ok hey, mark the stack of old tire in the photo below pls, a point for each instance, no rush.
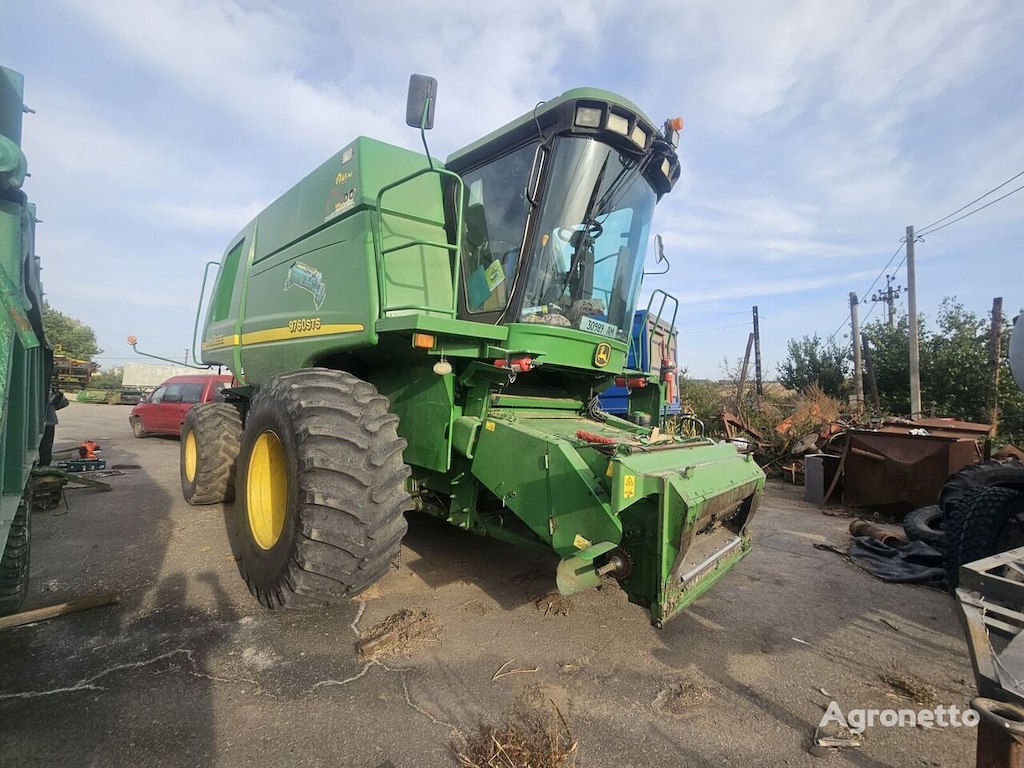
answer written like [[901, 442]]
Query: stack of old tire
[[980, 513]]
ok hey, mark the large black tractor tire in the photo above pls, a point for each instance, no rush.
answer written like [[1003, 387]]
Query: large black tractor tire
[[926, 524], [210, 440], [320, 489], [980, 475], [15, 561], [984, 522]]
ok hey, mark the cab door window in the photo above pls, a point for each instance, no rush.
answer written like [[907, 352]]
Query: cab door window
[[494, 224]]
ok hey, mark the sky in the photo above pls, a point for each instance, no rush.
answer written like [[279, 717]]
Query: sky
[[815, 133]]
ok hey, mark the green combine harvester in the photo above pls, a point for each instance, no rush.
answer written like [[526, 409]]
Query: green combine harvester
[[412, 336], [25, 359]]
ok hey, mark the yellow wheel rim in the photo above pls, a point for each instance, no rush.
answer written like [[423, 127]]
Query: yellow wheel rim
[[190, 457], [266, 491]]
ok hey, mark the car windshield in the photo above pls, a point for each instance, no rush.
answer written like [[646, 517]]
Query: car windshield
[[589, 251]]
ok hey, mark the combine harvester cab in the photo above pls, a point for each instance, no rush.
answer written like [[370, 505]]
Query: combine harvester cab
[[25, 361], [454, 329]]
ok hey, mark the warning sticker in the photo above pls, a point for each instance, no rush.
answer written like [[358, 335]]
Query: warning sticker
[[628, 486], [494, 275]]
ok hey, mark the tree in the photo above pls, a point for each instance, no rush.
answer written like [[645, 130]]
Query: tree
[[812, 361], [955, 371], [890, 360], [107, 379], [703, 399], [75, 338]]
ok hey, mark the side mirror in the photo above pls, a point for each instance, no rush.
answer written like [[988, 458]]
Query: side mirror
[[419, 106], [659, 256]]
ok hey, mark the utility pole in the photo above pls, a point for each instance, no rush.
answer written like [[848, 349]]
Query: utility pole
[[915, 350], [858, 368], [869, 371], [889, 296], [743, 373], [757, 356], [996, 339]]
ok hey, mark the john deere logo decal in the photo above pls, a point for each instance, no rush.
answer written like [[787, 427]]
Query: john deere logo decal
[[308, 279], [602, 354]]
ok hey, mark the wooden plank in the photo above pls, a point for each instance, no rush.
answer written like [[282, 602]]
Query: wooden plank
[[52, 611], [80, 479]]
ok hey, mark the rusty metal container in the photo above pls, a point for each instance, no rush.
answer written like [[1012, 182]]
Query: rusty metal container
[[895, 468]]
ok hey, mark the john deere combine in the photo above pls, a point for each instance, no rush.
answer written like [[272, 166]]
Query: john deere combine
[[24, 359], [412, 336]]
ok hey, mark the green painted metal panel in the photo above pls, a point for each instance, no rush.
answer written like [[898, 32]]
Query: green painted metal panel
[[540, 476], [655, 501], [308, 286], [555, 345], [12, 90], [464, 433], [24, 361], [349, 181], [425, 405], [309, 300]]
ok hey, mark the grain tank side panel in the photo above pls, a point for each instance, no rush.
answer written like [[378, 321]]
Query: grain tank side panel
[[301, 282]]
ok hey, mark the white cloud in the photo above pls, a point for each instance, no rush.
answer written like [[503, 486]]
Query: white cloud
[[815, 132]]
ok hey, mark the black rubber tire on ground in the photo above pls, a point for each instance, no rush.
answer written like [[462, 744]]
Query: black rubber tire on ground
[[984, 522], [926, 524], [15, 561], [343, 501], [982, 474], [137, 429], [216, 429]]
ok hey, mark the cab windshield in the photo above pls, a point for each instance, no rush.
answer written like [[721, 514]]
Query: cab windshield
[[592, 234]]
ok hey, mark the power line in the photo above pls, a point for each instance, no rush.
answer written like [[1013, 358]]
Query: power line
[[971, 213], [870, 288], [954, 213], [872, 309]]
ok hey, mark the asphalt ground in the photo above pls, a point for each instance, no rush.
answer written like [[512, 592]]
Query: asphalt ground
[[189, 670]]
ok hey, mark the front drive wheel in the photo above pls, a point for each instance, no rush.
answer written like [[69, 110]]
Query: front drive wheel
[[210, 439], [320, 489]]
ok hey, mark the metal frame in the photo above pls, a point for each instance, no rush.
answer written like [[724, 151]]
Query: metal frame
[[992, 606]]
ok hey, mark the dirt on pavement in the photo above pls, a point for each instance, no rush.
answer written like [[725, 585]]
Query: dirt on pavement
[[190, 670]]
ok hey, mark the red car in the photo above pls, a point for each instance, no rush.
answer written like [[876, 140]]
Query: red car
[[162, 412]]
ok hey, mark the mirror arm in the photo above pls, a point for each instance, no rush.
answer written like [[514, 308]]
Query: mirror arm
[[423, 131]]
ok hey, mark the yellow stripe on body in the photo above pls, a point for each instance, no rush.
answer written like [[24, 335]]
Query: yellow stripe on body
[[281, 334]]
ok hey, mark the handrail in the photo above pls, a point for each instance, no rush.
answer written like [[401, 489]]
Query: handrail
[[455, 248], [665, 297]]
